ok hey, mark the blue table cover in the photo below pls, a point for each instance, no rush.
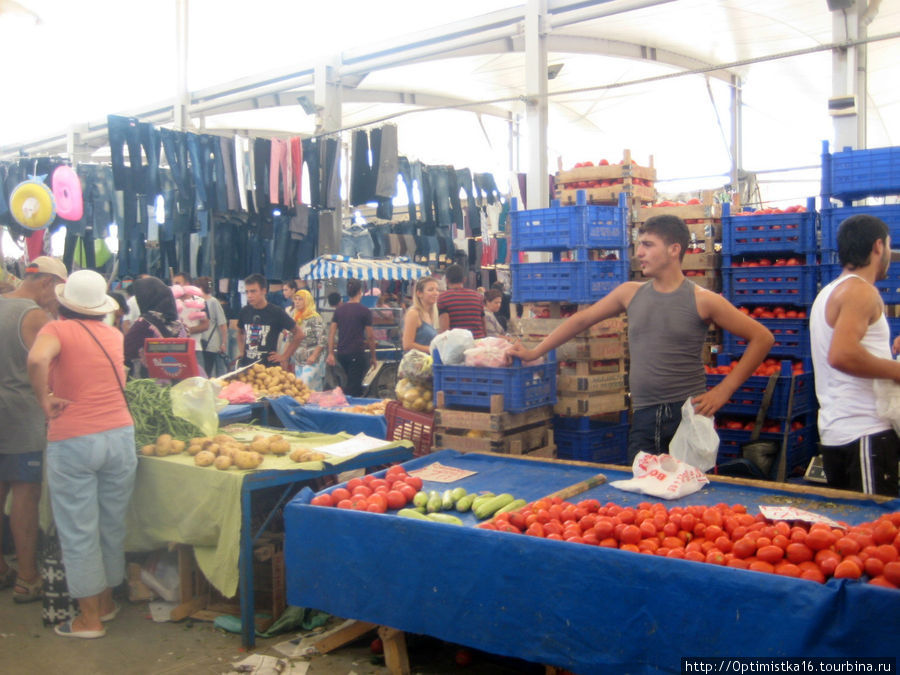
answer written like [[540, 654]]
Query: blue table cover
[[299, 417], [243, 412], [589, 609]]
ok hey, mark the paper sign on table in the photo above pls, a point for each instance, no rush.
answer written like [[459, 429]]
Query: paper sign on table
[[354, 446], [793, 513], [440, 473]]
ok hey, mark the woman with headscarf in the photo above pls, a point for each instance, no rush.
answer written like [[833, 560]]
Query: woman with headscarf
[[159, 318], [309, 358]]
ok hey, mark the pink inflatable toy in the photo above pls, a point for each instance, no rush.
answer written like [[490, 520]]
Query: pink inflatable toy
[[67, 193]]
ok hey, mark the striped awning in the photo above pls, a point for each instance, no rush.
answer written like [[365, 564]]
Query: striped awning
[[366, 269]]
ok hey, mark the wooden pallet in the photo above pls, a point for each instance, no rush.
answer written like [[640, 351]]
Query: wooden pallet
[[489, 421], [707, 208], [608, 195], [515, 442], [586, 404]]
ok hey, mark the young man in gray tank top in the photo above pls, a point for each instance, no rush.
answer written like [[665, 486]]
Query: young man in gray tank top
[[851, 347], [23, 312], [668, 317]]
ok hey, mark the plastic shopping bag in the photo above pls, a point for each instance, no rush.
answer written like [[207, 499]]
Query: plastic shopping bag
[[196, 400], [452, 345], [662, 476], [696, 441], [887, 402]]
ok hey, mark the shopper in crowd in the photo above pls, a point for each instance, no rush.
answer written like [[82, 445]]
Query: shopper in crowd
[[421, 322], [492, 326], [851, 347], [352, 323], [159, 319], [309, 359], [668, 319], [76, 370], [23, 312], [460, 307], [260, 323], [213, 342], [134, 311], [503, 313], [117, 318], [288, 288]]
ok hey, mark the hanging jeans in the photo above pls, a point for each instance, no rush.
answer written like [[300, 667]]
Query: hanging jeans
[[226, 147], [280, 167], [485, 185], [329, 230], [198, 168], [214, 172], [410, 173], [99, 199], [331, 182], [357, 242], [361, 178], [262, 150], [175, 146], [464, 180], [387, 163], [137, 176], [243, 165], [277, 247], [312, 157]]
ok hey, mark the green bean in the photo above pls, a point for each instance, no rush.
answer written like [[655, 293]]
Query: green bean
[[151, 409]]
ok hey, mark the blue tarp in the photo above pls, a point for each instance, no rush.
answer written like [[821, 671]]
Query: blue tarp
[[589, 609], [299, 417]]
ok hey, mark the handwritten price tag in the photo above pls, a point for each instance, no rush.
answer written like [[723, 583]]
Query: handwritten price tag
[[793, 513], [440, 473]]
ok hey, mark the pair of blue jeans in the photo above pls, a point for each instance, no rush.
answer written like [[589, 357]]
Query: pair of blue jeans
[[91, 479], [652, 429], [357, 243], [138, 177]]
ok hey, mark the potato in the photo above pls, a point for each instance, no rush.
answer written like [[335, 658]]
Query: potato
[[204, 458], [281, 447], [257, 458], [177, 446], [223, 462], [197, 440], [194, 449], [276, 437], [261, 446], [164, 438], [260, 437], [206, 442], [222, 438], [244, 460], [298, 454], [213, 448], [148, 450], [163, 450]]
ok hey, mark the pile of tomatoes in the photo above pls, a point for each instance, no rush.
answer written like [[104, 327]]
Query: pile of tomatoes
[[766, 368], [689, 202], [719, 535], [797, 208], [768, 427], [777, 312], [767, 262], [373, 494]]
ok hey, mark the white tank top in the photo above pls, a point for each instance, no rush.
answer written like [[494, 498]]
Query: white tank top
[[846, 402]]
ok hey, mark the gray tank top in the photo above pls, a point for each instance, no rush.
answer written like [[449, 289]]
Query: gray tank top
[[665, 339], [21, 417]]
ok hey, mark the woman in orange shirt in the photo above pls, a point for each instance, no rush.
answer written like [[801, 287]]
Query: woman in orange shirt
[[76, 367]]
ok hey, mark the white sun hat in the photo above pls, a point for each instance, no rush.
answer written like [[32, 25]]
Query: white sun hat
[[85, 293]]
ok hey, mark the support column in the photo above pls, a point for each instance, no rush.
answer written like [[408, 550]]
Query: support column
[[536, 28], [737, 133], [327, 99], [180, 112], [848, 78]]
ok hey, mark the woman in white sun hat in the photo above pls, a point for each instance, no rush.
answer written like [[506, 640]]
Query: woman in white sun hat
[[76, 367]]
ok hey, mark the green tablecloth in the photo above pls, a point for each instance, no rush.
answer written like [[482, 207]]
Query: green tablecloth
[[176, 501]]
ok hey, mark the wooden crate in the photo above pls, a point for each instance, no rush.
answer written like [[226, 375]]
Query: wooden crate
[[199, 600], [587, 367], [542, 327], [608, 195], [513, 442], [589, 404], [490, 421], [580, 349], [576, 384], [708, 208], [627, 169], [709, 279]]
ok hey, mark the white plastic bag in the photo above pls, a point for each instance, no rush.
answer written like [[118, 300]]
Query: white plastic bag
[[696, 441], [662, 476], [489, 352], [887, 402], [452, 345], [196, 400]]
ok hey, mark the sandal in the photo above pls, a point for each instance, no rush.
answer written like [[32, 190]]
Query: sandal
[[27, 592], [109, 616], [65, 629], [7, 579]]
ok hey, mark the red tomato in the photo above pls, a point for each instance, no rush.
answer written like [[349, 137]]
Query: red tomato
[[354, 483], [340, 493], [631, 534], [408, 491], [798, 553], [379, 500], [892, 572], [345, 504], [414, 481], [847, 569], [396, 499], [874, 566], [362, 490], [359, 504], [322, 500], [883, 582]]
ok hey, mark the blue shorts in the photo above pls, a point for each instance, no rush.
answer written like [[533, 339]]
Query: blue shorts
[[23, 467]]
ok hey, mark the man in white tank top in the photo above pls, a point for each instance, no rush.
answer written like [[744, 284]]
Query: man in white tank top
[[851, 347]]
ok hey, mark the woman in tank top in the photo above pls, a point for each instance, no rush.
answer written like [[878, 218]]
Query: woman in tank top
[[420, 324]]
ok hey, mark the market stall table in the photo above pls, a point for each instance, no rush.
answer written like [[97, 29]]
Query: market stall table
[[306, 417], [176, 501], [585, 608], [245, 412]]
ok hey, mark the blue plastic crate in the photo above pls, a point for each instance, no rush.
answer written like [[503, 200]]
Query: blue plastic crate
[[578, 282], [783, 285], [889, 288], [604, 444], [570, 227], [795, 232], [801, 444], [747, 399], [833, 217], [894, 325], [590, 423], [791, 338], [522, 387], [854, 174]]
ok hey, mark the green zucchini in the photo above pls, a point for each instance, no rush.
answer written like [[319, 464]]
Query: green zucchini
[[412, 513], [512, 506], [444, 518], [465, 503], [490, 507], [447, 500], [420, 499]]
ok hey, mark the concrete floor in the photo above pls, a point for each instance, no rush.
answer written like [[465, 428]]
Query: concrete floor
[[134, 644]]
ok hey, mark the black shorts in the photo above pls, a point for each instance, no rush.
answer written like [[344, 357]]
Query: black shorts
[[868, 464]]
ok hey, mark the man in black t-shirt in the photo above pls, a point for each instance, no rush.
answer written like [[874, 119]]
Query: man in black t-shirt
[[260, 323]]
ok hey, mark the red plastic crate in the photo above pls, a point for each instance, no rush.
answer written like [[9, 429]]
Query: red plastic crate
[[408, 425]]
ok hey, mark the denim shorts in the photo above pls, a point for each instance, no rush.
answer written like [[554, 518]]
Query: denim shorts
[[22, 467]]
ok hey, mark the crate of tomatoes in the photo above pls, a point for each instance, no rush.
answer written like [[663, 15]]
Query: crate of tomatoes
[[748, 398]]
